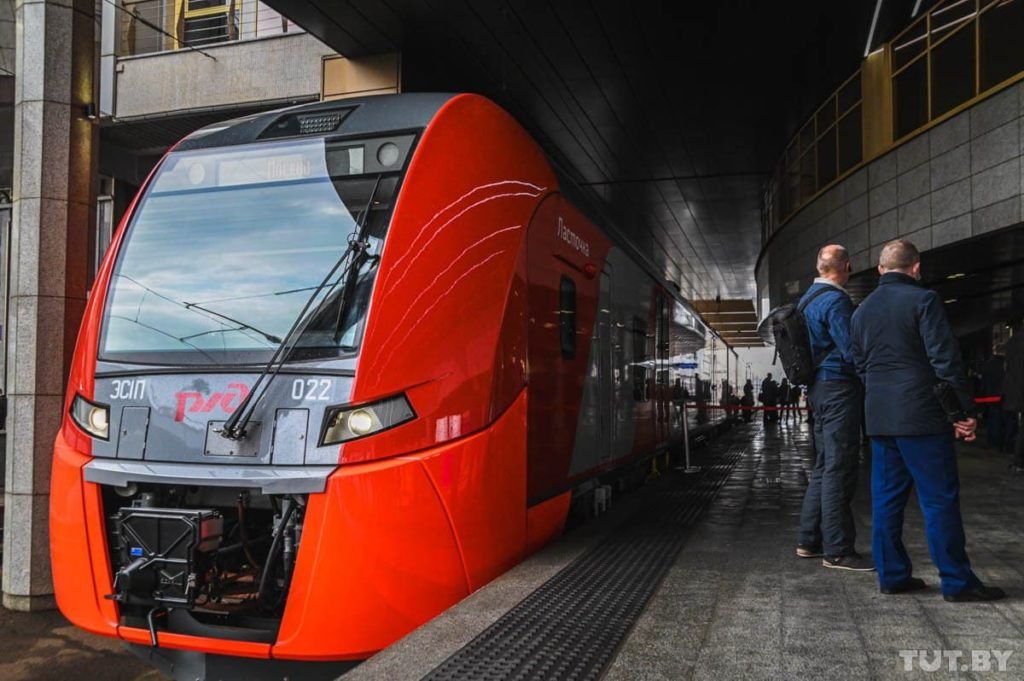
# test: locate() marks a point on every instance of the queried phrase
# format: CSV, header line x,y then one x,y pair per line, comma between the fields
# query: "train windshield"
x,y
228,245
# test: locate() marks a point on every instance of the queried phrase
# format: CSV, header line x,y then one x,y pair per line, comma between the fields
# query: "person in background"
x,y
699,397
784,399
991,385
748,400
679,399
770,398
826,519
1013,394
794,400
903,347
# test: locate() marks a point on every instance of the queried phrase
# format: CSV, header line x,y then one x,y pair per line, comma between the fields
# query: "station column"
x,y
54,176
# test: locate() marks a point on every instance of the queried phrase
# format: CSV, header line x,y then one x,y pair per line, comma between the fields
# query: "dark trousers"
x,y
1011,431
826,518
1018,447
928,461
1001,427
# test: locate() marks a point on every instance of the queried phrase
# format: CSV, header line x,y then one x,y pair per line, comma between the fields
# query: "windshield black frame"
x,y
341,347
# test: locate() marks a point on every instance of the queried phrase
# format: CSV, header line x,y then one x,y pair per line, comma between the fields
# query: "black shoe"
x,y
851,561
808,551
978,592
912,584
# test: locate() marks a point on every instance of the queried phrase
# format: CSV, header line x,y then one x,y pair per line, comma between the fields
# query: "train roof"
x,y
356,116
388,113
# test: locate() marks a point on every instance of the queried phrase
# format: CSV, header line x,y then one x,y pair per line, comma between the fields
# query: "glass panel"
x,y
807,177
567,316
229,244
849,94
827,158
640,388
951,16
139,32
910,44
790,192
953,71
807,137
104,227
206,30
791,153
1001,53
910,98
826,115
850,143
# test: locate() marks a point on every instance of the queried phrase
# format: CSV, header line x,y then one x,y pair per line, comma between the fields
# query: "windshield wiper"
x,y
360,258
235,426
270,337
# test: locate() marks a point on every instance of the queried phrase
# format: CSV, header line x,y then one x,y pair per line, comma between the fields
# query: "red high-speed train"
x,y
344,364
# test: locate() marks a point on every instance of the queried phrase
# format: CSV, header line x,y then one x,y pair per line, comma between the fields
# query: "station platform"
x,y
723,595
700,582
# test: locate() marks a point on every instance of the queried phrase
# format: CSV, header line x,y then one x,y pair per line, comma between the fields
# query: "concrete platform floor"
x,y
738,604
43,646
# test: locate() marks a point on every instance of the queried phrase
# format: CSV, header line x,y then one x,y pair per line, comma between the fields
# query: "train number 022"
x,y
127,389
311,389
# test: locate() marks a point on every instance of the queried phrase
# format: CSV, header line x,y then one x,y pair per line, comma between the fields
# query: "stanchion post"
x,y
686,444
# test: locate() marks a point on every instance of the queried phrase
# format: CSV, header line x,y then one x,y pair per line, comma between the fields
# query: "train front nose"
x,y
181,417
264,546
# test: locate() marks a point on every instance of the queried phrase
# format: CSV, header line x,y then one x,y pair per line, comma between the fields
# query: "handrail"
x,y
148,26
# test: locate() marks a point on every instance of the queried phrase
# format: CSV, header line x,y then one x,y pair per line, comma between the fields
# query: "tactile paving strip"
x,y
572,625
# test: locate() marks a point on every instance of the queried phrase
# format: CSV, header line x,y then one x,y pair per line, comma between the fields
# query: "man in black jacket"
x,y
770,398
997,422
903,346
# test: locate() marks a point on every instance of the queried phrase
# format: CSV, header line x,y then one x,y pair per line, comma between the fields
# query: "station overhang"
x,y
671,114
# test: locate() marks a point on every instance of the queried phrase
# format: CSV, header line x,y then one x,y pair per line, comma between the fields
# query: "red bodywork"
x,y
463,320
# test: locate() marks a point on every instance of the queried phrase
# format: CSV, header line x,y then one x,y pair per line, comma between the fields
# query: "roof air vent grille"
x,y
319,123
312,123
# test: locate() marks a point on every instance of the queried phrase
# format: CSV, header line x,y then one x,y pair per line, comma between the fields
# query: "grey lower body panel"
x,y
267,479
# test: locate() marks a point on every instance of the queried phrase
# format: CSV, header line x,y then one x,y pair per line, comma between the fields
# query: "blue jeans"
x,y
929,461
826,518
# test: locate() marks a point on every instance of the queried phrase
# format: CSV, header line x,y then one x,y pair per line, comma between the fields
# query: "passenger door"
x,y
603,360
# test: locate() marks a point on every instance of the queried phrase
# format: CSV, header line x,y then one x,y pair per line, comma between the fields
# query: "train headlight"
x,y
342,424
91,417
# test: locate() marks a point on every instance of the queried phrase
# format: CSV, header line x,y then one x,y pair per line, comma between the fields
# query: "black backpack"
x,y
792,341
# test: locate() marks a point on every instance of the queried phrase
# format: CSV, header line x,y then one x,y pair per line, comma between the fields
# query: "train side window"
x,y
640,387
567,316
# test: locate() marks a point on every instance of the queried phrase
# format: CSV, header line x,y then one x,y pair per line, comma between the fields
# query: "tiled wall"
x,y
959,179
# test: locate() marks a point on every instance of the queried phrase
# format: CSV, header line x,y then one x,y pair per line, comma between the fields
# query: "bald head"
x,y
832,258
899,255
834,263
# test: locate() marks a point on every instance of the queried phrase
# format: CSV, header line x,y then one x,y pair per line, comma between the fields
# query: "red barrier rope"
x,y
740,407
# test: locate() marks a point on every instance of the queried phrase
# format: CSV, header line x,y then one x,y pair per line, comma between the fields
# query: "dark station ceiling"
x,y
671,113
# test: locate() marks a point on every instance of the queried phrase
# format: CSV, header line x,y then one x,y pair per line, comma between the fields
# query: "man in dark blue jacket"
x,y
903,346
826,521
